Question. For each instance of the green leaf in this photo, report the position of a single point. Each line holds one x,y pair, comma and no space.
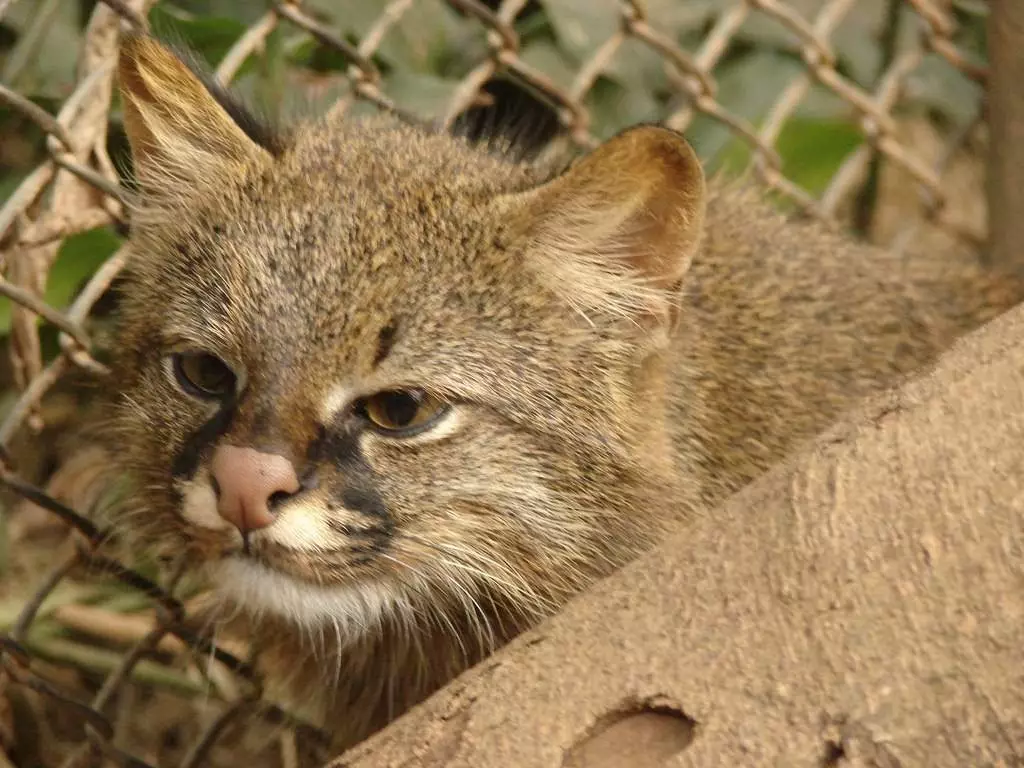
811,151
765,31
858,41
246,11
43,61
614,107
638,66
546,57
938,85
9,182
582,27
972,28
419,41
858,52
347,15
422,94
208,36
747,88
78,258
675,18
308,92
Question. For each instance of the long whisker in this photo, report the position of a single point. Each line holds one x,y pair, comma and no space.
518,588
441,615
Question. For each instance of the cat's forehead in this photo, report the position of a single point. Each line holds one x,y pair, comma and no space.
378,235
389,152
309,279
367,196
278,281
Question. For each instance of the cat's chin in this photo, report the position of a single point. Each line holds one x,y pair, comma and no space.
344,610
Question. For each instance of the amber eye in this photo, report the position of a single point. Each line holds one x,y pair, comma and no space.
204,375
402,411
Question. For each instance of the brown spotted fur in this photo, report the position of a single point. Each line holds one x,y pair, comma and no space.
599,405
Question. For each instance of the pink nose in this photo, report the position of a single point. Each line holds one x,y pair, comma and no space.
248,479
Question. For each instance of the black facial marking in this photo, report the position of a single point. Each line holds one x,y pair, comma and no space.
373,547
339,527
385,341
359,498
364,541
372,540
340,447
277,499
186,462
309,480
361,532
358,491
261,420
317,448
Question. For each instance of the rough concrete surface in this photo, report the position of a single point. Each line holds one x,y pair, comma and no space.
863,605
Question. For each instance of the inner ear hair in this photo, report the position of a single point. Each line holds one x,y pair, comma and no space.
255,124
617,230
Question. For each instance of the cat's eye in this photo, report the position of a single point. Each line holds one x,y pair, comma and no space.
402,412
204,375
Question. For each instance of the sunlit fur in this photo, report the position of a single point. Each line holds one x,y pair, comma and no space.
608,378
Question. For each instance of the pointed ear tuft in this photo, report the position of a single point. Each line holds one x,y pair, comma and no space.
617,231
175,125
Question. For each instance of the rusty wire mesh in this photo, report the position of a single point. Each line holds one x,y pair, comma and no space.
77,188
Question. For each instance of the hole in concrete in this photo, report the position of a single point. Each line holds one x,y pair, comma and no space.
834,754
643,735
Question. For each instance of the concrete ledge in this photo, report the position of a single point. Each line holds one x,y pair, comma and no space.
862,605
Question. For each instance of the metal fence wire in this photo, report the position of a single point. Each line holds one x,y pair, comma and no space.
76,188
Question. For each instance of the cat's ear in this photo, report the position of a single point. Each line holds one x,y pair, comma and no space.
618,230
179,128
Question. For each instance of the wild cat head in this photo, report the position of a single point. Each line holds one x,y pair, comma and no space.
363,364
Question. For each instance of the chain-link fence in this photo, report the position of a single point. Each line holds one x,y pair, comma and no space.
76,189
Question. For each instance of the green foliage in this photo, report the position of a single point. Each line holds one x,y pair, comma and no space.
828,143
79,256
208,36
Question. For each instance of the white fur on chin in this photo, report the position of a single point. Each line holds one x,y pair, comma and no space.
348,610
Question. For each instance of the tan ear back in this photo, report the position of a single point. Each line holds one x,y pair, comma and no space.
176,128
619,229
